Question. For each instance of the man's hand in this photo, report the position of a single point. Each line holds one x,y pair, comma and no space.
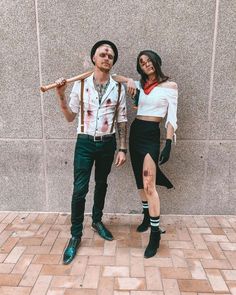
120,159
165,154
61,87
131,87
60,91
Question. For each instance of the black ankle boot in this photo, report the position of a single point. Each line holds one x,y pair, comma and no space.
153,245
145,223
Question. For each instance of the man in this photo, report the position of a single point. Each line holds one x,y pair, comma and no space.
99,101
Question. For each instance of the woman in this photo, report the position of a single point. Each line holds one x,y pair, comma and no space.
155,98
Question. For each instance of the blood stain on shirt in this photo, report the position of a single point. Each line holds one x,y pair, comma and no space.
105,125
90,113
108,102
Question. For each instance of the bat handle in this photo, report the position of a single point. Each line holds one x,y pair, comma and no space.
73,79
48,87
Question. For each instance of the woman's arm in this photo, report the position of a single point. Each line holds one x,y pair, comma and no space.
170,131
165,153
171,123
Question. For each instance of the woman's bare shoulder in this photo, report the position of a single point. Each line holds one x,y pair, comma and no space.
169,84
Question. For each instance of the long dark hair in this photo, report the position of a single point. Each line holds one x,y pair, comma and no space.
156,61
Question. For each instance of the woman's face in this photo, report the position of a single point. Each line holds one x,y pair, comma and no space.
146,65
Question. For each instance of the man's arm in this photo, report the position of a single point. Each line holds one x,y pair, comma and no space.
60,90
120,79
121,155
69,115
122,132
122,129
121,120
131,87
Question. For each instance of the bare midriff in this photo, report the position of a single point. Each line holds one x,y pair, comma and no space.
149,118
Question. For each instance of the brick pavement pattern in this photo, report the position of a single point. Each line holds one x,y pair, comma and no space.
197,256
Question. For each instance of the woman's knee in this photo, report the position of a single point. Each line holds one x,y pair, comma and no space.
142,193
150,189
149,183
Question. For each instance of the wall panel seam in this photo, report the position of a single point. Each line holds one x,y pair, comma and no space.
210,101
42,106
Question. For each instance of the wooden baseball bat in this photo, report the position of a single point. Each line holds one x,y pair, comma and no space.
73,79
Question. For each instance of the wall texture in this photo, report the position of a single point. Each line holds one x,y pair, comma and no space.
46,39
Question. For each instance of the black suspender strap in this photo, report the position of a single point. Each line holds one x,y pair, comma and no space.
117,105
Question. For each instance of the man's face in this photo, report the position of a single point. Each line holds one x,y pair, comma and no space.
104,58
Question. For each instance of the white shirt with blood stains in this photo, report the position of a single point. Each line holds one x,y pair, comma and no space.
98,118
160,102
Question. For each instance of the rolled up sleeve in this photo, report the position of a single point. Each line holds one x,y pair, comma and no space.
122,108
172,109
74,102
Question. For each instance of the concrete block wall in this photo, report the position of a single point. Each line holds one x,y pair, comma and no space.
43,40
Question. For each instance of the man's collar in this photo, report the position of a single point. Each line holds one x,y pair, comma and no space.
89,80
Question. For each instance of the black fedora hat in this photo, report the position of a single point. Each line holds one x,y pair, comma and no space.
100,43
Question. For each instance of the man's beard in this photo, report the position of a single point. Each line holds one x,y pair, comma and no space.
106,71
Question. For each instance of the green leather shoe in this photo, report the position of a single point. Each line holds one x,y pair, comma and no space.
103,232
71,250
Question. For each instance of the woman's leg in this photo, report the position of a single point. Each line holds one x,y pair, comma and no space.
137,165
142,195
144,225
149,183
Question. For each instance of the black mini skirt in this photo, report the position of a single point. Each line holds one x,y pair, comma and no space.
145,139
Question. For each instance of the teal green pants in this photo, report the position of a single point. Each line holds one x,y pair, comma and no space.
88,153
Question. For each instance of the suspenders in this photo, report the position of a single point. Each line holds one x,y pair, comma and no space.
82,106
117,105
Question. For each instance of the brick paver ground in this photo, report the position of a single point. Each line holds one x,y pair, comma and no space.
197,256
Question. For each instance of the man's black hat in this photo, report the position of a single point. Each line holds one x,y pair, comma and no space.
99,43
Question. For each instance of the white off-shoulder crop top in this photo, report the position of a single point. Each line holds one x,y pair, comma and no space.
160,101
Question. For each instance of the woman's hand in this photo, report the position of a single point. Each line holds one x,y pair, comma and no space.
131,87
165,154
